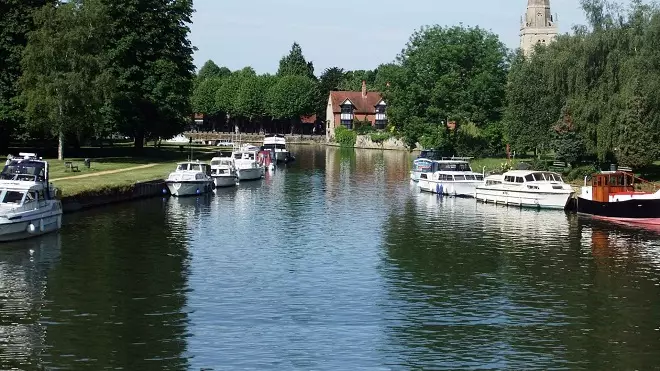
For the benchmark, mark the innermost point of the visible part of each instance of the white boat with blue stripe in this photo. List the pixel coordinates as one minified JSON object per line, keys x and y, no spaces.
{"x":451,"y":177}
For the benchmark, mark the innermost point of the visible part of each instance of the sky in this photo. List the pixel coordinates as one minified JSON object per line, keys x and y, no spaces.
{"x":353,"y":34}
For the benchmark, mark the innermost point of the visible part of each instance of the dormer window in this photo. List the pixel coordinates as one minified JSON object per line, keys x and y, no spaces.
{"x":347,"y":114}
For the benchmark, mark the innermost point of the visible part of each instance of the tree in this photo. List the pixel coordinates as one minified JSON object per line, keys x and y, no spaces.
{"x":226,"y":97}
{"x":252,"y":94}
{"x":567,"y":142}
{"x":64,"y":81}
{"x":204,"y":96}
{"x":454,"y":72}
{"x":292,"y":97}
{"x":329,"y":80}
{"x":16,"y":20}
{"x":210,"y":69}
{"x":531,"y":109}
{"x":352,"y":80}
{"x":294,"y":64}
{"x":150,"y":58}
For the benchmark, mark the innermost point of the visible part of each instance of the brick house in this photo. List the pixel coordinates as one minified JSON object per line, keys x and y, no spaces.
{"x":346,"y":106}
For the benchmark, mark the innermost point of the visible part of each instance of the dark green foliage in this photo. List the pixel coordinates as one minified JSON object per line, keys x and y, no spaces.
{"x":567,"y":143}
{"x":578,"y":173}
{"x":251,"y":101}
{"x":16,"y":20}
{"x":210,"y":69}
{"x":204,"y":96}
{"x":608,"y":75}
{"x":380,"y":137}
{"x":345,"y":138}
{"x":150,"y":58}
{"x":294,"y":64}
{"x":455,"y":72}
{"x":362,"y":127}
{"x":65,"y":82}
{"x":292,"y":96}
{"x":472,"y":141}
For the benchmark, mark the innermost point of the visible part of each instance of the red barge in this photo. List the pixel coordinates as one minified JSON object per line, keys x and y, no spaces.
{"x":612,"y":195}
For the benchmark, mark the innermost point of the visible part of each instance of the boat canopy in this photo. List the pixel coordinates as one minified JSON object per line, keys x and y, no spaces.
{"x":25,"y":170}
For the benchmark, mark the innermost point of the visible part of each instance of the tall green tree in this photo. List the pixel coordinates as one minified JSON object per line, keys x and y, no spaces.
{"x":150,"y":58}
{"x":252,"y":95}
{"x":64,"y":80}
{"x":295,"y":64}
{"x":204,"y":94}
{"x":16,"y":21}
{"x":292,"y":97}
{"x":226,"y":97}
{"x":210,"y":69}
{"x":455,"y":73}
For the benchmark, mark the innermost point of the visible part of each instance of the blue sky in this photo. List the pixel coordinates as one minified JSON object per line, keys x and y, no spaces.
{"x":354,"y":34}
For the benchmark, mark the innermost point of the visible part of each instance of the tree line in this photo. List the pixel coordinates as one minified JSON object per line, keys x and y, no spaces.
{"x":81,"y":69}
{"x":276,"y":103}
{"x":88,"y":68}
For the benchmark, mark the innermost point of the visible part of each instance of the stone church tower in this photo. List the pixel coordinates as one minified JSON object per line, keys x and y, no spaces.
{"x":537,"y":26}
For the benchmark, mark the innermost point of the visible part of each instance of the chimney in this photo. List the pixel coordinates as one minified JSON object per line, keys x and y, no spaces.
{"x":364,"y":88}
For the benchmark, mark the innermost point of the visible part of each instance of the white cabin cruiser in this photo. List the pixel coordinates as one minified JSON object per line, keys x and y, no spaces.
{"x":190,"y":178}
{"x":277,"y":144}
{"x":450,"y":177}
{"x":223,"y":171}
{"x":28,"y":206}
{"x":247,"y":165}
{"x":526,"y":188}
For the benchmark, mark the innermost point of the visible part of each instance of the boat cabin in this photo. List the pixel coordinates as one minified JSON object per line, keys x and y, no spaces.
{"x":532,"y":177}
{"x":609,"y":184}
{"x":274,"y":142}
{"x":194,"y":166}
{"x":31,"y":198}
{"x":24,"y":170}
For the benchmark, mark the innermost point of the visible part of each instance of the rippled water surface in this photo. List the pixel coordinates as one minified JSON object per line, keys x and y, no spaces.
{"x":333,"y":263}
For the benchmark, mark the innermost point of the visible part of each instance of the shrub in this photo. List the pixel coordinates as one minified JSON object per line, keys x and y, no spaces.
{"x":578,"y":173}
{"x":363,"y":127}
{"x":345,"y":137}
{"x":380,"y":137}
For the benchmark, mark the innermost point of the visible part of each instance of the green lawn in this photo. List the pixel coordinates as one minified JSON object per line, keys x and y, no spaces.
{"x":164,"y":160}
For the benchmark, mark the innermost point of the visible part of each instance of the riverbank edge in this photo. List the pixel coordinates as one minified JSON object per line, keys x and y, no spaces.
{"x":113,"y":195}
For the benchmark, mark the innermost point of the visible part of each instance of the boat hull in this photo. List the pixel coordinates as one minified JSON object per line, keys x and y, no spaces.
{"x":224,"y":181}
{"x":458,"y":189}
{"x":249,"y":174}
{"x":36,"y":225}
{"x":281,"y":156}
{"x":182,"y":189}
{"x":637,"y":211}
{"x":542,"y":200}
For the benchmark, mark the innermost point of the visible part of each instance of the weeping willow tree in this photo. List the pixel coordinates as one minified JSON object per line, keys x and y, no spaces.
{"x":606,"y":74}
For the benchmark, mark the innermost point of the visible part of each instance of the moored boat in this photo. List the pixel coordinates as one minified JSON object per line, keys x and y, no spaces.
{"x":28,"y":204}
{"x":223,"y":171}
{"x":422,"y":164}
{"x":277,"y":144}
{"x":190,"y":178}
{"x":539,"y":189}
{"x":453,"y":177}
{"x":247,"y":165}
{"x":613,"y":196}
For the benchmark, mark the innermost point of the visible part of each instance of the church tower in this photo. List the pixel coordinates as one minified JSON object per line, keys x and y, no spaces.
{"x":537,"y":26}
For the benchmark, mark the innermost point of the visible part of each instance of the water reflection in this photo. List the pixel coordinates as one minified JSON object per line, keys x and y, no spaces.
{"x":24,"y":270}
{"x":118,"y":298}
{"x":496,"y":287}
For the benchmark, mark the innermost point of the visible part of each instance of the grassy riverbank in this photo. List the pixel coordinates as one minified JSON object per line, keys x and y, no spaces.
{"x":118,"y":167}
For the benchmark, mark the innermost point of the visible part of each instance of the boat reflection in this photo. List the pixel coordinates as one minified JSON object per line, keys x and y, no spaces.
{"x":24,"y":269}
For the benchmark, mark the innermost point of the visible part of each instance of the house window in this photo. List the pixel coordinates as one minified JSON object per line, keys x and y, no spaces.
{"x":381,"y":124}
{"x":347,"y":109}
{"x":381,"y":117}
{"x":348,"y":124}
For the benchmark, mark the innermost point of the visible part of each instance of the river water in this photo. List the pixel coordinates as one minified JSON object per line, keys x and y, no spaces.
{"x":333,"y":263}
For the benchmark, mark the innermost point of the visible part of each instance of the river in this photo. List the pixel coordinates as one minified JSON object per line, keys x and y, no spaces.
{"x":334,"y":262}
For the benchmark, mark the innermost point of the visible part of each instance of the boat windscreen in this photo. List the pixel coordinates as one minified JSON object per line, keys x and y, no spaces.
{"x":36,"y":170}
{"x":11,"y":197}
{"x":460,"y":166}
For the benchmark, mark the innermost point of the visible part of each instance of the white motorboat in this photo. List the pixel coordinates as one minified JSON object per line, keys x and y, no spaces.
{"x":525,"y":188}
{"x":223,"y":171}
{"x":277,"y":144}
{"x":28,"y":206}
{"x":450,"y":177}
{"x":190,"y":178}
{"x":247,"y":165}
{"x":420,"y":165}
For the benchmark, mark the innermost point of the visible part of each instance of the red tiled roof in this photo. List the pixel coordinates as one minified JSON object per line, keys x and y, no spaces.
{"x":362,"y":104}
{"x":308,"y":119}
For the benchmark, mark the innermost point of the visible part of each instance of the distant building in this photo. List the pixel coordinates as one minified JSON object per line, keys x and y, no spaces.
{"x":538,"y":26}
{"x":346,"y":106}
